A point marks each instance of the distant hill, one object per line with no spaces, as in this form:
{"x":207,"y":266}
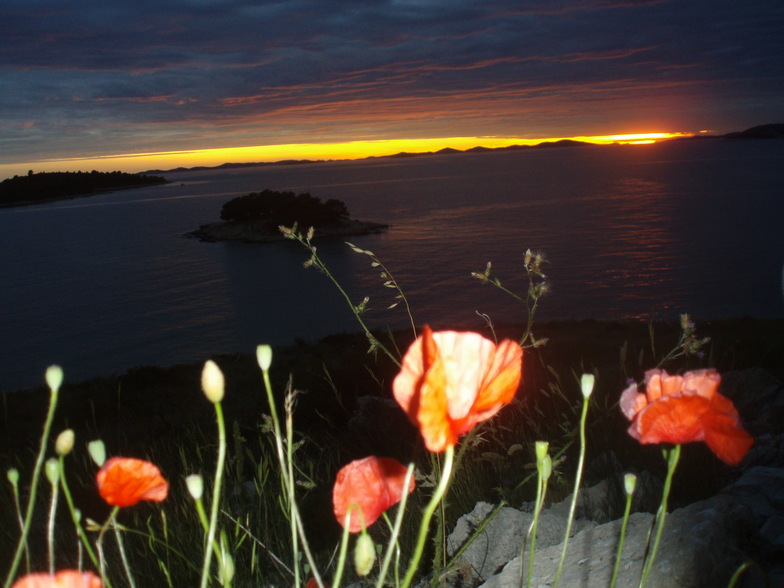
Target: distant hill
{"x":45,"y":187}
{"x":400,"y":155}
{"x":770,"y":131}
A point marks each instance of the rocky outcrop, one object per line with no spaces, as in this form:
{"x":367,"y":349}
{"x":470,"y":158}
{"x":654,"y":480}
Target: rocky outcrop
{"x":703,"y":543}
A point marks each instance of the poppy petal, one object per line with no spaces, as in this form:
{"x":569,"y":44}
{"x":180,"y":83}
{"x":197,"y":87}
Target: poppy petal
{"x":124,"y":481}
{"x":450,"y":381}
{"x":683,"y":409}
{"x":61,"y":579}
{"x":373,"y":484}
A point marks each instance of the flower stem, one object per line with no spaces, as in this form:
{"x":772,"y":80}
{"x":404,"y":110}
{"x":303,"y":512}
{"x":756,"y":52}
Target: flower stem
{"x":541,"y":489}
{"x":443,"y":483}
{"x":288,"y":483}
{"x":578,"y":478}
{"x":21,"y":546}
{"x":617,"y":565}
{"x":672,"y":455}
{"x":382,"y":574}
{"x":74,"y":515}
{"x":216,"y":494}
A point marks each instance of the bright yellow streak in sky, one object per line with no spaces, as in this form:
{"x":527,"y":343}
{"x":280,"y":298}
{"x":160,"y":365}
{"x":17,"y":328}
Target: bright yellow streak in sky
{"x":136,"y":162}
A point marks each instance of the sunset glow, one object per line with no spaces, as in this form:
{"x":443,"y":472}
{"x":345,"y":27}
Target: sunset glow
{"x":138,"y":162}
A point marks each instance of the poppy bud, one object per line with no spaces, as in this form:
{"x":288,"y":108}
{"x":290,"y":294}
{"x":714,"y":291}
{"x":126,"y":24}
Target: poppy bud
{"x":52,"y":470}
{"x":54,"y":377}
{"x":264,"y":357}
{"x":97,"y":451}
{"x":64,"y":442}
{"x":195,"y":485}
{"x":364,"y":555}
{"x":629,"y":483}
{"x":586,"y":384}
{"x":212,"y":382}
{"x":541,"y":450}
{"x":547,"y":467}
{"x":13,"y":476}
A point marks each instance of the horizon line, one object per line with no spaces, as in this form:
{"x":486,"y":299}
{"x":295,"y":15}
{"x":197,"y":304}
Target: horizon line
{"x":339,"y":151}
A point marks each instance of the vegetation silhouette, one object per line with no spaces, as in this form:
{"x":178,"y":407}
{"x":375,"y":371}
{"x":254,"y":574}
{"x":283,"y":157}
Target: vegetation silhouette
{"x":284,"y":208}
{"x":42,"y":187}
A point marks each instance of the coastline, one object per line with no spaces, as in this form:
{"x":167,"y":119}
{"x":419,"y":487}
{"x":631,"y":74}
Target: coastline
{"x":264,"y":232}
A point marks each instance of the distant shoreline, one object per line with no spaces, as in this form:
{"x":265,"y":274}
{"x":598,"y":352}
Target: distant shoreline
{"x":766,"y":132}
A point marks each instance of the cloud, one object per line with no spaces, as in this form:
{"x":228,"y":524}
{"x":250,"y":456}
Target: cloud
{"x":110,"y":75}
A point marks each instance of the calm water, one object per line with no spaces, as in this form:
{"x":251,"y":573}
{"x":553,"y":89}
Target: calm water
{"x":103,"y":284}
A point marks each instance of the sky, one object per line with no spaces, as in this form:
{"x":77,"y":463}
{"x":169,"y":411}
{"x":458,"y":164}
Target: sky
{"x":145,"y":84}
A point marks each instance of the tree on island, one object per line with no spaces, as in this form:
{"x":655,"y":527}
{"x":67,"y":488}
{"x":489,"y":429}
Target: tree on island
{"x":286,"y":208}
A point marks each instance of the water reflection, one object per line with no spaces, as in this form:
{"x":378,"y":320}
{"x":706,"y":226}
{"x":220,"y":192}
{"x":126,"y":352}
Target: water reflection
{"x":638,"y":249}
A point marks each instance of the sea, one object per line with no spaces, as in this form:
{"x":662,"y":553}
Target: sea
{"x":108,"y":283}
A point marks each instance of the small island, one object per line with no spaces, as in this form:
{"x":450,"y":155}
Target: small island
{"x":49,"y":186}
{"x":255,"y":218}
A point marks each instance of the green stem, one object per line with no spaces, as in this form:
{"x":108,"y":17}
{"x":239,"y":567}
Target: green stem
{"x":74,"y":515}
{"x":22,"y":544}
{"x":672,"y":455}
{"x":343,"y":549}
{"x":289,"y":482}
{"x":382,"y":574}
{"x":291,"y":488}
{"x":617,"y":565}
{"x":123,"y":556}
{"x":99,"y":543}
{"x":443,"y":483}
{"x":578,"y":478}
{"x":216,"y":494}
{"x":19,"y":519}
{"x":540,"y":491}
{"x":322,"y":266}
{"x":50,"y":527}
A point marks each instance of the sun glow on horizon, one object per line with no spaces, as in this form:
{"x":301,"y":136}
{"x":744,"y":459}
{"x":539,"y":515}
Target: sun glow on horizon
{"x":138,"y":162}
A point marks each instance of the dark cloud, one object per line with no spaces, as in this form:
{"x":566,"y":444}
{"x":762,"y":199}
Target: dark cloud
{"x":100,"y":76}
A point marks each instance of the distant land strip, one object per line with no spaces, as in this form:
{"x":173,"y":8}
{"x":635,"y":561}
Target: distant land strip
{"x":767,"y":131}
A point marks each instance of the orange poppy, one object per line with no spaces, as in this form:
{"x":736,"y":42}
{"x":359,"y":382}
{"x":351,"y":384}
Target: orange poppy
{"x":373,"y":484}
{"x":62,"y":579}
{"x":683,"y":409}
{"x":451,"y":381}
{"x":124,"y":481}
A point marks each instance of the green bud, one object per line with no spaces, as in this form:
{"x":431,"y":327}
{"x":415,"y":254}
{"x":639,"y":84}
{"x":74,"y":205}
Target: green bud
{"x":97,"y":451}
{"x":52,"y":470}
{"x":212,"y":382}
{"x":629,"y":483}
{"x":13,"y":476}
{"x":264,"y":357}
{"x":64,"y":442}
{"x":586,"y":384}
{"x":364,"y":555}
{"x":547,"y":467}
{"x":541,"y":450}
{"x":195,"y":484}
{"x":54,"y":378}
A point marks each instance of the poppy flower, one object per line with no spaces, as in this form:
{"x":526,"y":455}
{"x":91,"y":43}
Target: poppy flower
{"x":683,"y":409}
{"x":451,"y":381}
{"x":124,"y":481}
{"x":62,"y":579}
{"x":373,"y":484}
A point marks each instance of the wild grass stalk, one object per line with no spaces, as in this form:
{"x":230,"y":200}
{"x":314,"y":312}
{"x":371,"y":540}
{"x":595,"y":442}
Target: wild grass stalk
{"x":54,"y":379}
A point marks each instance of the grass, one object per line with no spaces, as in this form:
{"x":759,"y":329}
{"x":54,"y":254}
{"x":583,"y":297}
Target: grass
{"x":159,"y":414}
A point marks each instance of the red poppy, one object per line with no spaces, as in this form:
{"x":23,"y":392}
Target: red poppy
{"x":62,"y":579}
{"x":682,"y":409}
{"x":451,"y":381}
{"x":124,"y":481}
{"x":373,"y":484}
